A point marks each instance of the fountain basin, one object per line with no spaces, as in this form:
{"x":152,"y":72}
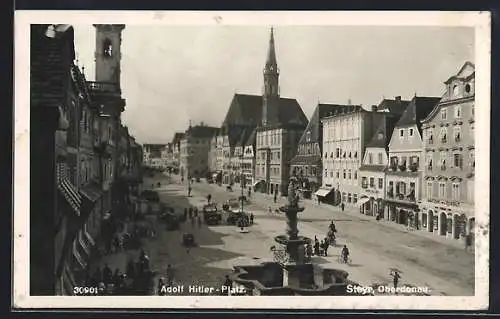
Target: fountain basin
{"x":267,"y":279}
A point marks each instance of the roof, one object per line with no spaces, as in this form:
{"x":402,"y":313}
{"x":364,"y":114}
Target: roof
{"x":271,"y":53}
{"x":50,"y":65}
{"x":245,"y":135}
{"x":80,"y":82}
{"x":177,"y":137}
{"x":315,"y":126}
{"x":251,"y":138}
{"x":202,"y":131}
{"x":396,"y":106}
{"x":383,"y":133}
{"x":246,"y":110}
{"x":417,"y":110}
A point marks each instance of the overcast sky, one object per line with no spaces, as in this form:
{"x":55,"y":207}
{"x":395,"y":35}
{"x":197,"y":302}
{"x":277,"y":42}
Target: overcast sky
{"x":171,"y":74}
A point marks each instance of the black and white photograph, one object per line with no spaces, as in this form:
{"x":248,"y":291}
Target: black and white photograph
{"x":231,"y":159}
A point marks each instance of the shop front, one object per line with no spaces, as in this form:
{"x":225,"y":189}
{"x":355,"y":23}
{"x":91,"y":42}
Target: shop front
{"x":450,"y":219}
{"x":403,"y":213}
{"x":325,"y":194}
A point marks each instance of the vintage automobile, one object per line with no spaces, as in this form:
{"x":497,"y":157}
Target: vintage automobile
{"x":237,"y":215}
{"x":211,"y":215}
{"x":170,"y":219}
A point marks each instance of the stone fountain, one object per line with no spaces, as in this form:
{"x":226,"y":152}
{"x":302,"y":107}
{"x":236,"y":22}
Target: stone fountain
{"x":291,"y":273}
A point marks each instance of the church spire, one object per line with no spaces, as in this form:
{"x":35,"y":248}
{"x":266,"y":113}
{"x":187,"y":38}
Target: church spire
{"x":271,"y":63}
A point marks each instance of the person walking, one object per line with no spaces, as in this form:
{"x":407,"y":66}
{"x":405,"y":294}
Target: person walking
{"x":228,"y":283}
{"x":251,"y":218}
{"x":189,"y":190}
{"x":209,"y":198}
{"x":275,"y":196}
{"x":170,"y":275}
{"x":395,"y":278}
{"x":342,"y":206}
{"x":468,"y":241}
{"x":249,"y":192}
{"x":326,"y":244}
{"x":316,"y":246}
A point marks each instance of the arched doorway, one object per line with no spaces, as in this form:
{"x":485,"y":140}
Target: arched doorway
{"x":375,"y":208}
{"x":403,"y":217}
{"x":459,"y":222}
{"x":443,"y":222}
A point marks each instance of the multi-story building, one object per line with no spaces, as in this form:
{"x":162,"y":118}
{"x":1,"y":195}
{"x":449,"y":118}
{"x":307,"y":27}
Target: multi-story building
{"x":345,"y":136}
{"x":237,"y":158}
{"x":153,"y":155}
{"x":376,"y":159}
{"x":248,"y":164}
{"x":166,"y":156}
{"x":448,"y":198}
{"x":283,"y":123}
{"x":307,"y":165}
{"x":176,"y":151}
{"x":55,"y":200}
{"x":195,"y":147}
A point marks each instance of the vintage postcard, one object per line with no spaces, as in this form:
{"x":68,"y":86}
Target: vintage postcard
{"x":230,"y":159}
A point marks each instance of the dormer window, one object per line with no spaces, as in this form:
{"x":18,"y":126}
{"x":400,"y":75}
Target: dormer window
{"x":467,"y":88}
{"x":455,"y":90}
{"x":443,"y":114}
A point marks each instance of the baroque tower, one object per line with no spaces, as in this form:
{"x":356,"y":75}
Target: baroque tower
{"x":108,"y":53}
{"x":271,"y":94}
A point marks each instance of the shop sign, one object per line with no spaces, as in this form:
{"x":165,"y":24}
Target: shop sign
{"x":445,"y":202}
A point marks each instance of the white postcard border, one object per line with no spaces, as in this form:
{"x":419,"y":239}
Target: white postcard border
{"x":479,"y":20}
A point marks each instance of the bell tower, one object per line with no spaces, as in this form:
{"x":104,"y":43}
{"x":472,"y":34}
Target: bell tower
{"x":108,"y":53}
{"x":270,"y":94}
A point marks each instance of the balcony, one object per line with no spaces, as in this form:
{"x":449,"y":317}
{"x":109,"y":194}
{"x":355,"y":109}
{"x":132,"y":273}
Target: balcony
{"x":444,"y":140}
{"x":413,"y":167}
{"x":390,"y":194}
{"x":394,"y":167}
{"x":402,"y":167}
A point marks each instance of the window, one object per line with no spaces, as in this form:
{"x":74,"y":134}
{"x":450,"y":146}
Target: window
{"x":380,"y":183}
{"x":331,"y":173}
{"x":429,"y":189}
{"x":337,"y":152}
{"x":380,"y":158}
{"x":471,"y":130}
{"x":458,"y":111}
{"x":456,"y":133}
{"x":344,"y":174}
{"x":401,"y":133}
{"x":455,"y":191}
{"x":326,"y":172}
{"x":443,"y":113}
{"x":430,"y":137}
{"x":349,"y":175}
{"x":354,"y":198}
{"x":107,"y":48}
{"x":442,"y":135}
{"x":349,"y":198}
{"x":457,"y":160}
{"x":442,"y":190}
{"x":372,"y":182}
{"x":429,"y":161}
{"x":355,"y":175}
{"x":278,"y":155}
{"x":356,"y":154}
{"x":411,"y":132}
{"x":338,"y":174}
{"x":370,"y":158}
{"x":344,"y":197}
{"x":326,"y":154}
{"x":472,"y":161}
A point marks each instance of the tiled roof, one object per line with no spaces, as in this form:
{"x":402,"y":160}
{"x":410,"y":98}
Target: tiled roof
{"x":177,"y":137}
{"x":315,"y":126}
{"x":396,"y":106}
{"x":247,"y":132}
{"x":50,"y":66}
{"x":383,"y":133}
{"x":373,"y":168}
{"x":246,"y":110}
{"x":417,"y":110}
{"x":306,"y":160}
{"x":251,"y":139}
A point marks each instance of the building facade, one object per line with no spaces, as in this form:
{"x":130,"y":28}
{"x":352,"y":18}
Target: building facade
{"x":176,"y":152}
{"x":345,"y":136}
{"x":449,"y":151}
{"x":307,"y":166}
{"x":194,"y":149}
{"x":404,"y":175}
{"x":248,"y":163}
{"x":277,"y":136}
{"x":155,"y":155}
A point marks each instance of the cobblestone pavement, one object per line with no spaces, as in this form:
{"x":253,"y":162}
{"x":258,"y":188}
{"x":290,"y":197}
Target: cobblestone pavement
{"x":375,"y":248}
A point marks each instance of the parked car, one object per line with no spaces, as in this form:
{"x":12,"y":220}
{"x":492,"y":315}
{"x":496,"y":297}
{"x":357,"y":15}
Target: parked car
{"x":237,"y":215}
{"x":211,"y":214}
{"x":188,"y":240}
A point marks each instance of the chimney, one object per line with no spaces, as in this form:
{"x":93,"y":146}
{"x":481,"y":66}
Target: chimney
{"x":398,"y":98}
{"x":374,"y":108}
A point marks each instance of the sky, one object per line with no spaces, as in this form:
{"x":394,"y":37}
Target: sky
{"x":173,"y":74}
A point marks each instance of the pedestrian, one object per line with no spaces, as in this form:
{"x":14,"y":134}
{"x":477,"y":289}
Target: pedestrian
{"x":161,"y":290}
{"x":170,"y":275}
{"x":116,"y":277}
{"x":468,"y":241}
{"x":342,"y":206}
{"x":190,"y":212}
{"x":195,"y":212}
{"x":326,"y":245}
{"x":251,"y":218}
{"x":316,"y":246}
{"x":199,"y":221}
{"x":130,"y":271}
{"x":275,"y":196}
{"x":309,"y":251}
{"x":395,"y":278}
{"x":209,"y":198}
{"x":106,"y":274}
{"x":249,"y":192}
{"x":189,"y":191}
{"x":228,"y":283}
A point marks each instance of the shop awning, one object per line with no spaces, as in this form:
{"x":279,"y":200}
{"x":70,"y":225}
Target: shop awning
{"x":322,"y":192}
{"x":362,"y":201}
{"x":256,"y":183}
{"x":67,"y":189}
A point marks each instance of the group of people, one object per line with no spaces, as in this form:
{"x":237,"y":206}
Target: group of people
{"x":194,"y":216}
